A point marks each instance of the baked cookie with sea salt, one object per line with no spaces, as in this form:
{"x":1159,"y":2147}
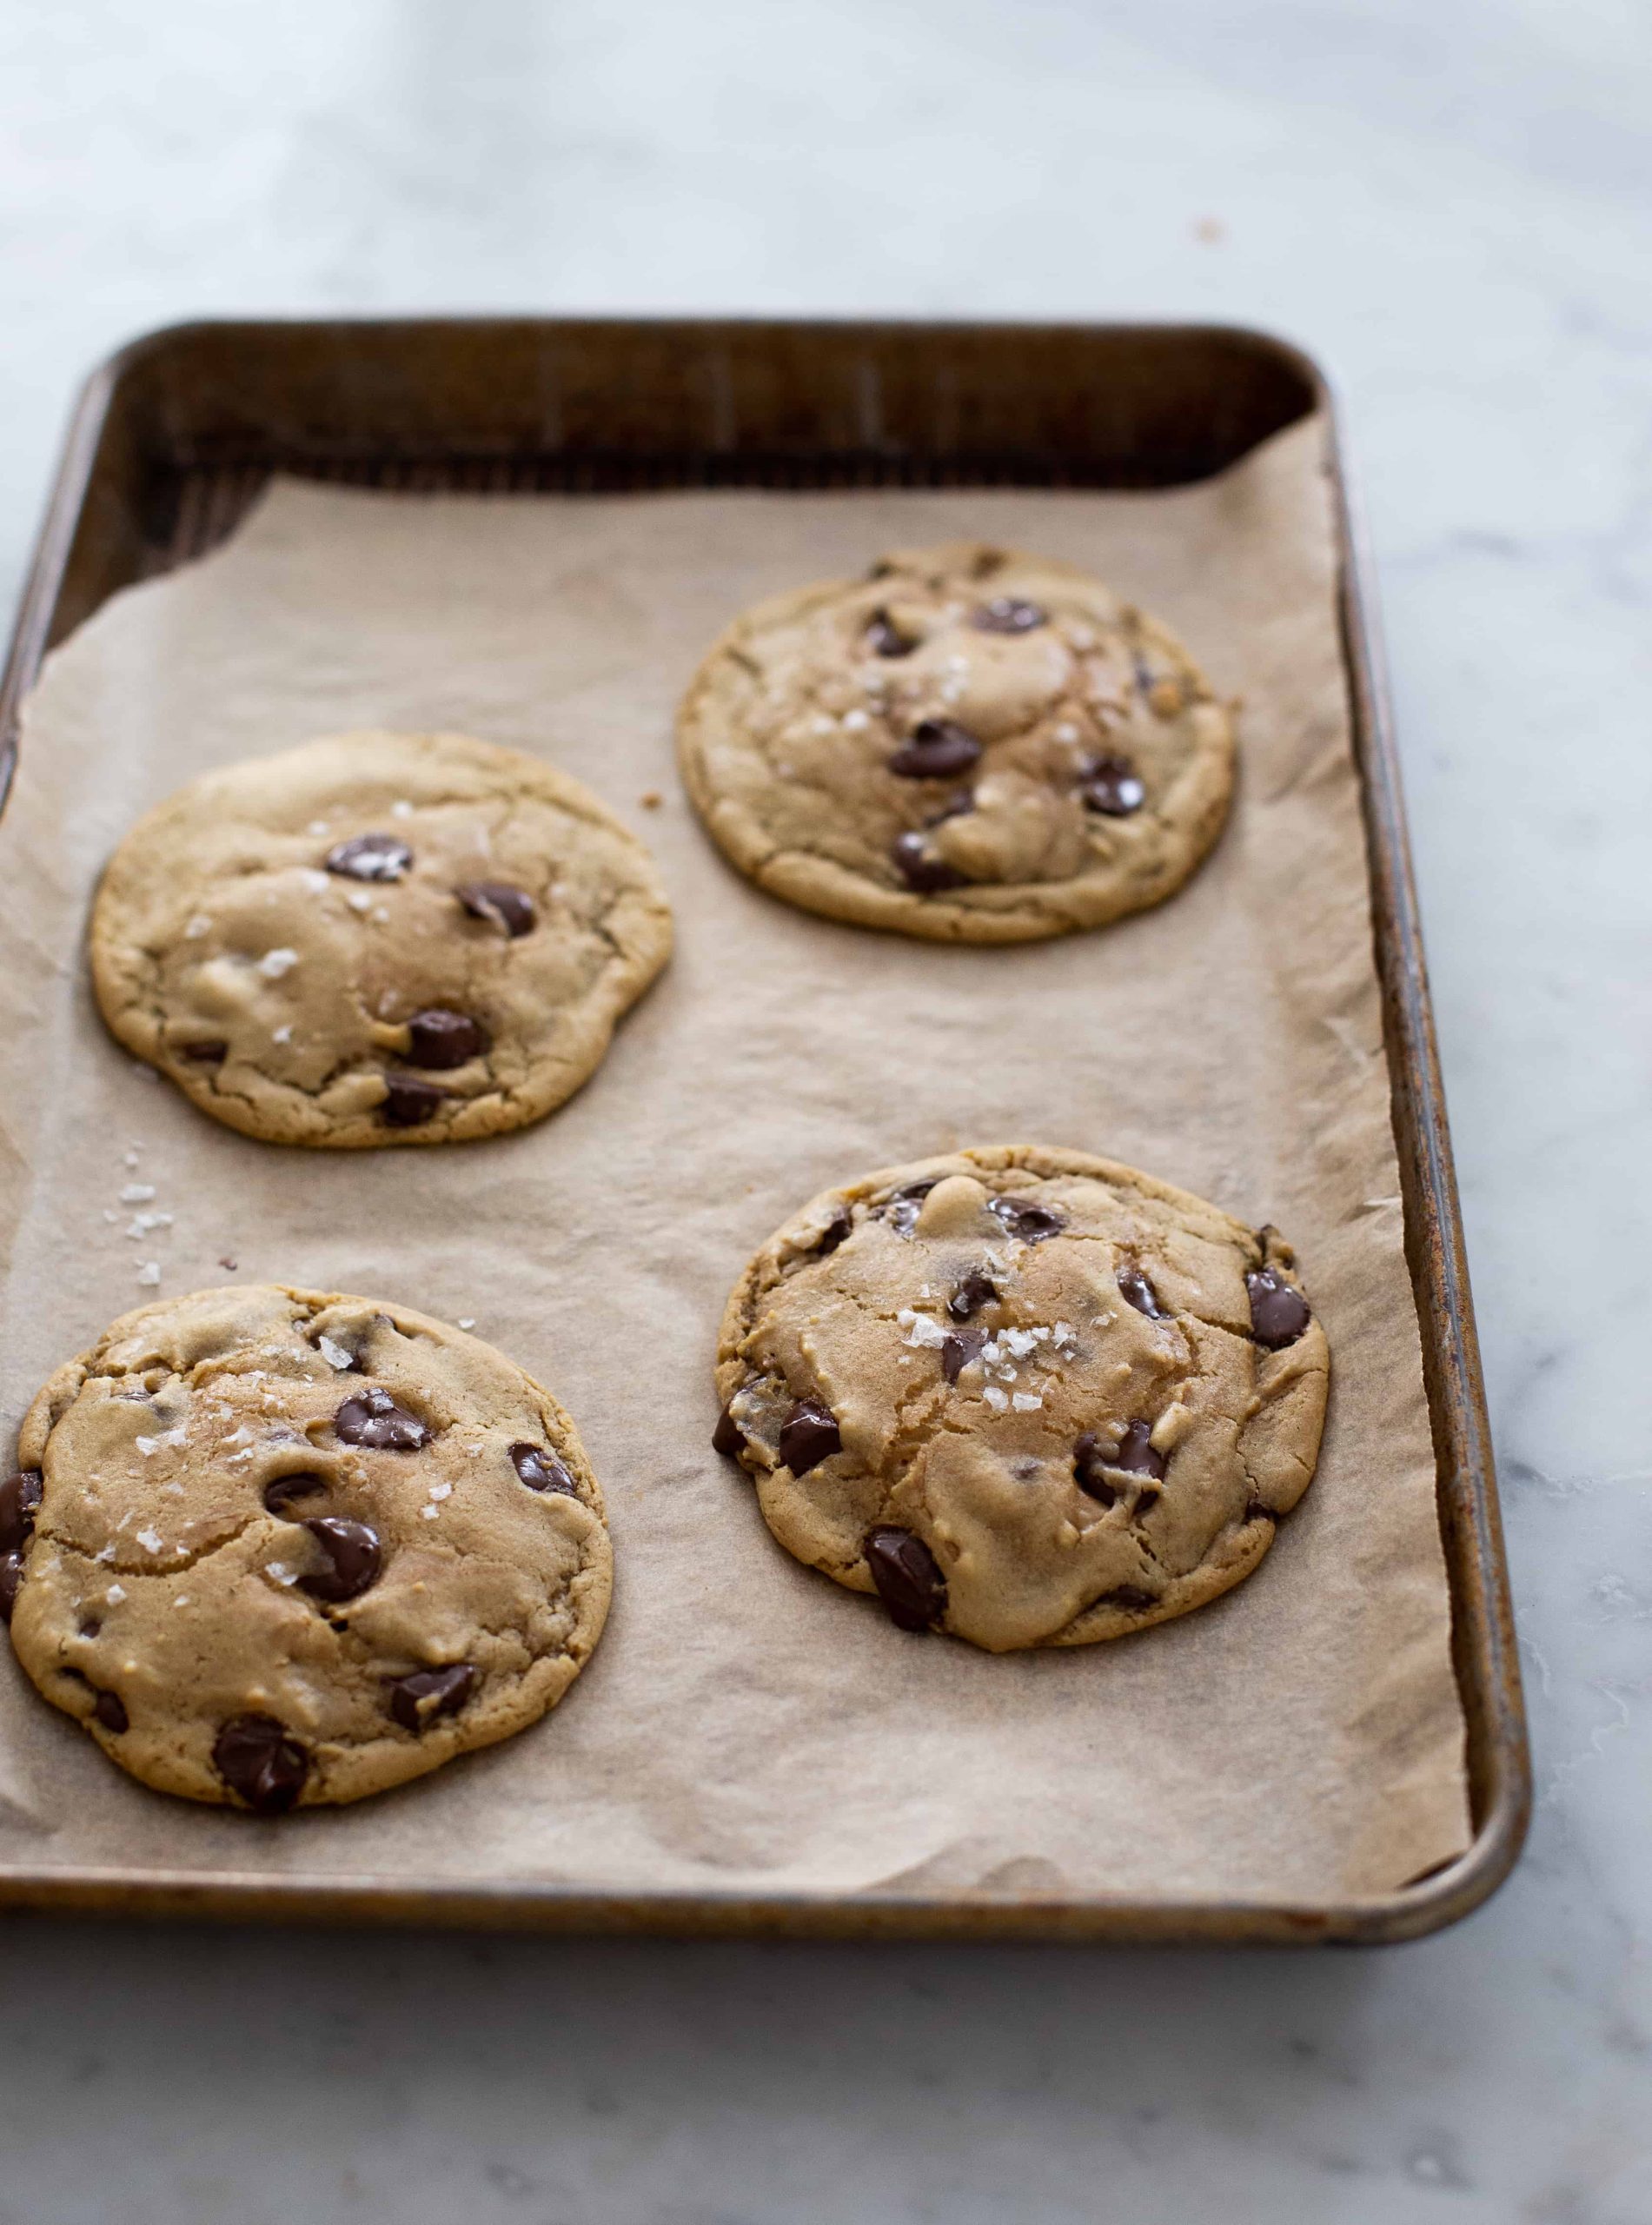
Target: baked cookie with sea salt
{"x":969,"y":744}
{"x":377,"y":939}
{"x":1023,"y":1395}
{"x":278,"y":1548}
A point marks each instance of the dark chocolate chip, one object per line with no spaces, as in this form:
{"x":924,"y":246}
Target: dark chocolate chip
{"x":1025,"y":1217}
{"x":281,"y":1493}
{"x":441,"y":1038}
{"x":936,"y":749}
{"x":1088,"y":1461}
{"x":1279,"y":1311}
{"x":10,"y":1578}
{"x":408,"y":1103}
{"x":1148,"y":1496}
{"x":369,"y":857}
{"x":1139,"y":1292}
{"x":372,"y":1417}
{"x":1254,"y":1511}
{"x":975,"y":1290}
{"x":111,"y":1710}
{"x":416,"y":1701}
{"x":959,"y":1350}
{"x":258,"y":1759}
{"x":1009,"y":614}
{"x":728,"y":1438}
{"x":19,"y":1497}
{"x":885,"y":638}
{"x":840,"y":1226}
{"x":919,"y":866}
{"x":907,"y":1576}
{"x":1130,"y":1597}
{"x":511,"y":910}
{"x":204,"y":1054}
{"x":88,"y":1625}
{"x":902,"y":1207}
{"x":1113,"y":785}
{"x":1137,"y":1455}
{"x":541,"y":1469}
{"x":808,"y":1435}
{"x":351,"y":1559}
{"x":959,"y":805}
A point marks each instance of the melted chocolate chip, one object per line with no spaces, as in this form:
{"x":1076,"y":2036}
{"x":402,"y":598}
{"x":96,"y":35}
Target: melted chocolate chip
{"x":936,"y":749}
{"x":1130,"y":1597}
{"x":1279,"y":1311}
{"x":282,"y":1492}
{"x":1113,"y":785}
{"x":1025,"y":1217}
{"x":959,"y":1350}
{"x":1139,"y":1292}
{"x":975,"y":1290}
{"x":1137,"y":1455}
{"x":1009,"y":614}
{"x":369,"y":857}
{"x":885,"y":638}
{"x":439,"y":1038}
{"x":351,"y":1559}
{"x":541,"y":1469}
{"x":903,"y":1207}
{"x":907,"y":1576}
{"x":372,"y":1417}
{"x":959,"y":805}
{"x":919,"y":866}
{"x":204,"y":1054}
{"x":808,"y":1435}
{"x":408,"y":1103}
{"x":19,"y":1496}
{"x":416,"y":1701}
{"x":511,"y":910}
{"x":258,"y":1760}
{"x":1088,"y":1461}
{"x":111,"y":1710}
{"x":728,"y":1438}
{"x":1148,"y":1496}
{"x":10,"y":1578}
{"x":840,"y":1226}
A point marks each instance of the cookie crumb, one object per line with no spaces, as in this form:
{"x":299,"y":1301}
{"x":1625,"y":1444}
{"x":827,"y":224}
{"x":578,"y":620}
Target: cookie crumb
{"x":651,"y":799}
{"x":224,"y":1260}
{"x":1210,"y":231}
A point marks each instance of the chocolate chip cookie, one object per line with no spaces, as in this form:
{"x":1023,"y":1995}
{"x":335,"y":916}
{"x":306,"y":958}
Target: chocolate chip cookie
{"x":1023,"y":1395}
{"x":969,"y":744}
{"x":277,"y":1549}
{"x":377,"y":939}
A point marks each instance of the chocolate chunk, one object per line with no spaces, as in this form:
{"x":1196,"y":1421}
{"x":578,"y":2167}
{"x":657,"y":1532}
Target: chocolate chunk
{"x":808,"y":1435}
{"x":936,"y":749}
{"x":907,"y":1576}
{"x":281,"y":1493}
{"x":919,"y":866}
{"x":257,"y":1759}
{"x":1088,"y":1461}
{"x":511,"y":910}
{"x":1139,"y":1292}
{"x":840,"y":1226}
{"x":203,"y":1054}
{"x":1130,"y":1597}
{"x":350,"y":1559}
{"x":902,"y":1207}
{"x":885,"y":638}
{"x":975,"y":1290}
{"x":372,"y":1417}
{"x":1137,"y":1455}
{"x":541,"y":1469}
{"x":10,"y":1578}
{"x":1008,"y":613}
{"x":416,"y":1701}
{"x":369,"y":857}
{"x":728,"y":1438}
{"x":1279,"y":1311}
{"x":408,"y":1103}
{"x":1112,"y":785}
{"x":959,"y":1350}
{"x":438,"y":1038}
{"x":111,"y":1710}
{"x":1025,"y":1217}
{"x":19,"y":1497}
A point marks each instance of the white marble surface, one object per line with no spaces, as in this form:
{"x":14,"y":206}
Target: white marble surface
{"x":1447,"y":199}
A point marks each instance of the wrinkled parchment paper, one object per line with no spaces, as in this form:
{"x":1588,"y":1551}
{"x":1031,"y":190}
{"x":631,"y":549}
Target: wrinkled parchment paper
{"x":746,"y":1724}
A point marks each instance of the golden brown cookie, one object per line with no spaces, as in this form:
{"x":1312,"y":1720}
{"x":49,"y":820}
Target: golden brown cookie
{"x":276,"y":1548}
{"x":968,"y":744}
{"x":1025,"y":1394}
{"x":377,"y":939}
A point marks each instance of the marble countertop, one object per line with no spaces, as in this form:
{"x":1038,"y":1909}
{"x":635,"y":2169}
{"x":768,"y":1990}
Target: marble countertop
{"x":1444,"y":199}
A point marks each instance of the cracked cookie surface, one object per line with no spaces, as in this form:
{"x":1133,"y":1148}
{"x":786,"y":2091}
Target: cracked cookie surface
{"x":377,"y":939}
{"x":275,"y":1547}
{"x":1025,"y":1394}
{"x":969,"y":744}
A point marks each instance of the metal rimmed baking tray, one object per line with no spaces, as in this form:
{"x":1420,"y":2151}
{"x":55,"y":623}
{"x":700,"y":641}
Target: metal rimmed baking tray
{"x":176,"y":436}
